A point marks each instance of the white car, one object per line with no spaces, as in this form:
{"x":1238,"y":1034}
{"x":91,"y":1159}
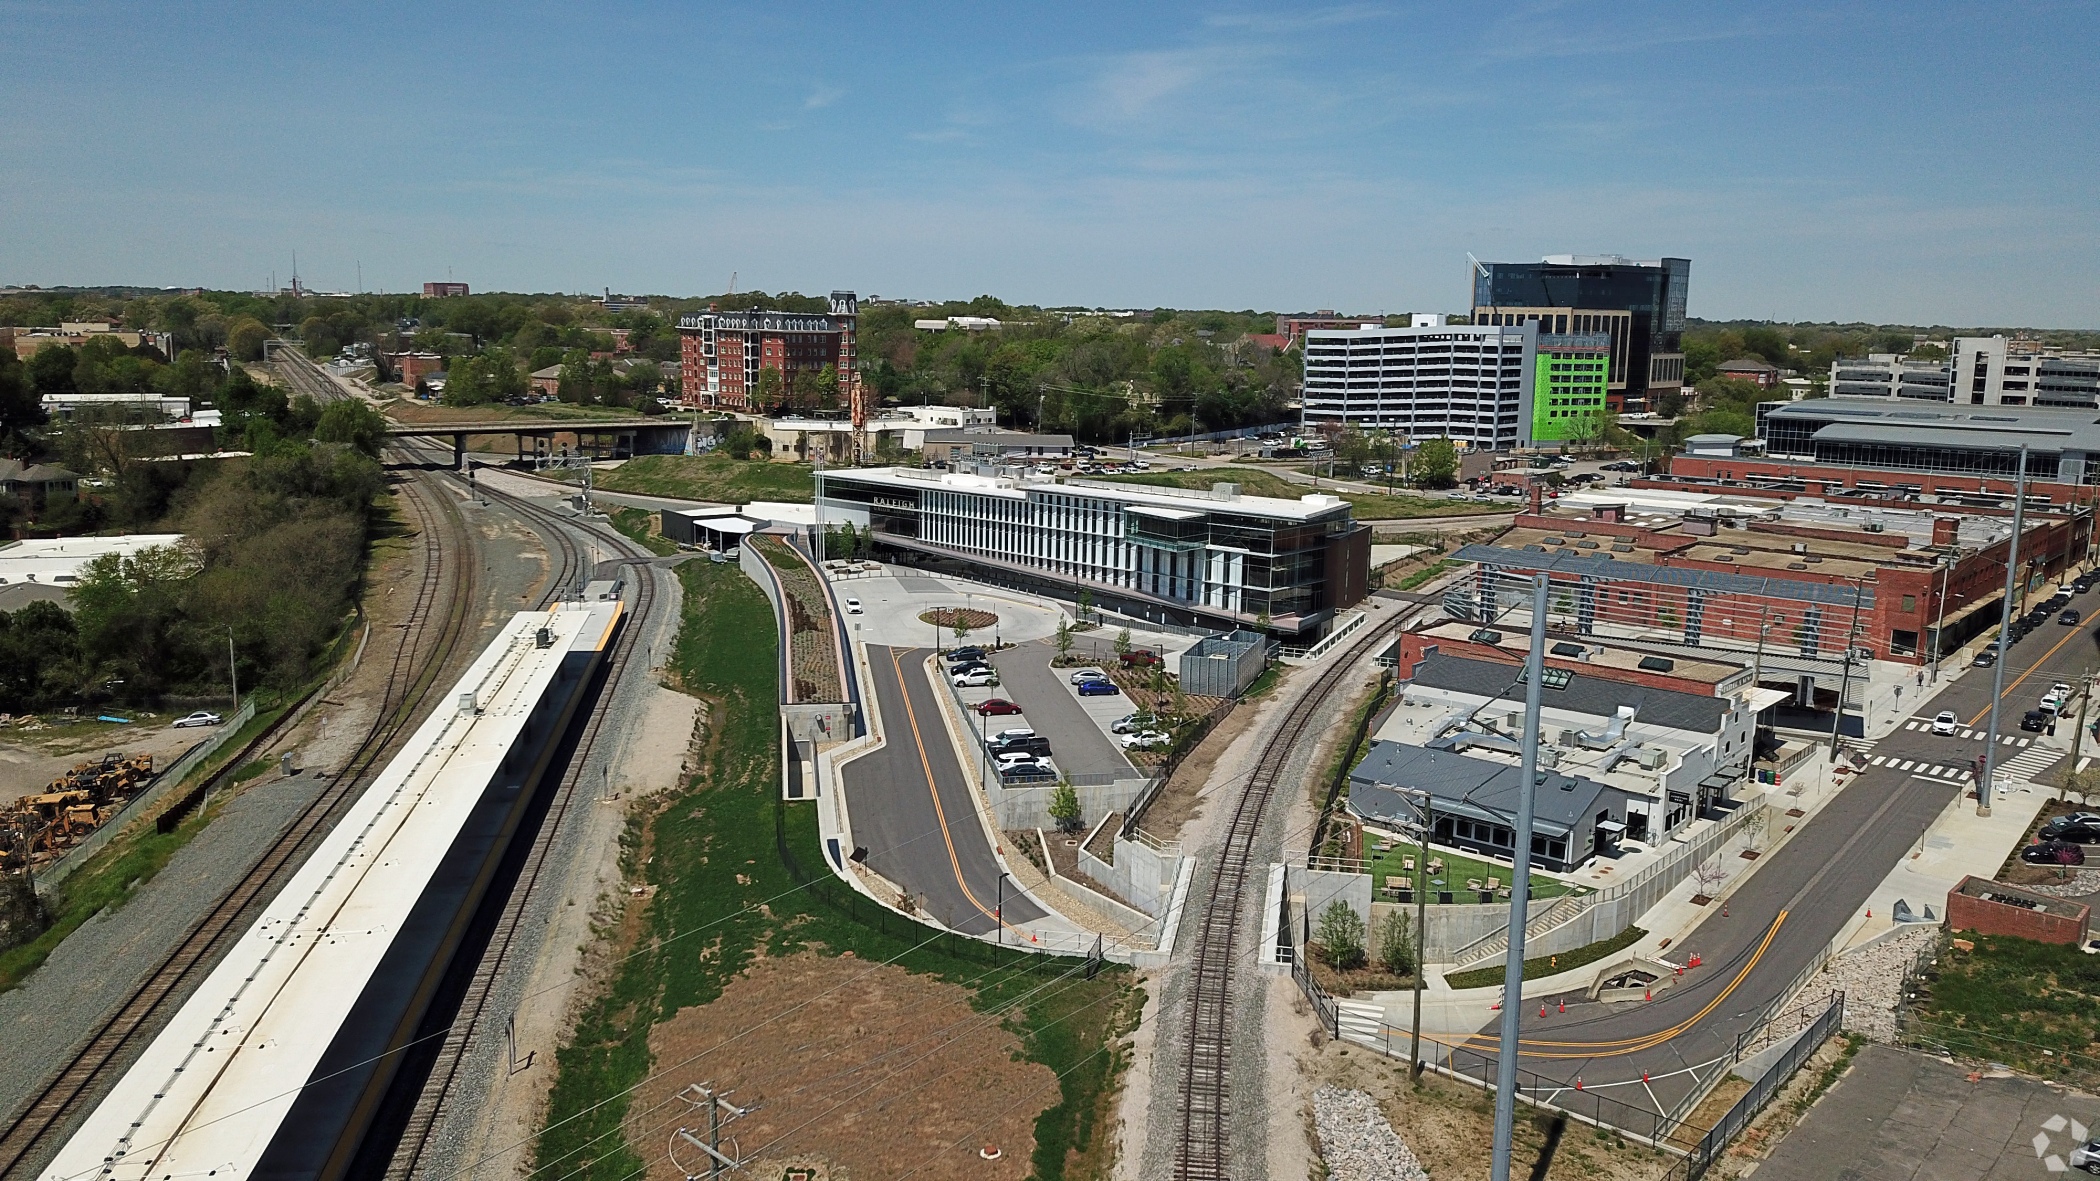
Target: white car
{"x":852,"y":606}
{"x":200,"y":718}
{"x":1143,"y":738}
{"x":1088,"y":674}
{"x":1027,"y":763}
{"x":1016,"y":758}
{"x":1945,"y":723}
{"x":977,"y":678}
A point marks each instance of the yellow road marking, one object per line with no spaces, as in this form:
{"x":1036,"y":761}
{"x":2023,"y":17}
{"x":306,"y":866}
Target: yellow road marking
{"x":2031,"y":669}
{"x":911,"y":716}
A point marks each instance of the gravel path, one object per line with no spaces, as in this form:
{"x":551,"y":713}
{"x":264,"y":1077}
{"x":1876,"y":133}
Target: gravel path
{"x":2078,"y":884}
{"x":96,"y":967}
{"x":1356,"y":1141}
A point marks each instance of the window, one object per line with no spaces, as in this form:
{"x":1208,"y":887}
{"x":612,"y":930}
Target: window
{"x":1910,"y":603}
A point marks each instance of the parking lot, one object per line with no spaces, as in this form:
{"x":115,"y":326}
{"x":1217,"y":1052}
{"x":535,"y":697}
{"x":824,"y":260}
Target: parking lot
{"x":1033,"y":696}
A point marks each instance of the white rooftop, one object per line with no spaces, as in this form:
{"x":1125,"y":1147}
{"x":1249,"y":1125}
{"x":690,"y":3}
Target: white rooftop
{"x":1191,"y":500}
{"x":59,"y":559}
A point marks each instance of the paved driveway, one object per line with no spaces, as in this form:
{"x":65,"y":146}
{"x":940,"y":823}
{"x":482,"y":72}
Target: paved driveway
{"x":1902,"y":1115}
{"x":914,"y":811}
{"x":1053,"y":711}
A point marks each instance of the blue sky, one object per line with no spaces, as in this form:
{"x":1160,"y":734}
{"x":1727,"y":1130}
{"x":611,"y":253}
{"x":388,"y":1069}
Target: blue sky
{"x":1918,"y":162}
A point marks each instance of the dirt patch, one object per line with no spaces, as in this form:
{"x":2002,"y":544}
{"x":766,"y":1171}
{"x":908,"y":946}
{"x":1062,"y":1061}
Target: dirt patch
{"x":970,"y":617}
{"x":1180,"y":800}
{"x":859,"y":1070}
{"x":1449,"y":1125}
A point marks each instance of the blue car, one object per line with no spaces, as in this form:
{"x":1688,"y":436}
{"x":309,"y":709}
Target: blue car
{"x":1098,"y":689}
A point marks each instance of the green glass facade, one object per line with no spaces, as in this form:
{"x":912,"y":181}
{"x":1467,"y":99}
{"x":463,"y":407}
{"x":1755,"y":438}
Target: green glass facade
{"x":1568,"y":384}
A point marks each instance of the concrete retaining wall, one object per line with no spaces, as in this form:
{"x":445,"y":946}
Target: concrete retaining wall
{"x":1028,"y":806}
{"x":1141,"y":873}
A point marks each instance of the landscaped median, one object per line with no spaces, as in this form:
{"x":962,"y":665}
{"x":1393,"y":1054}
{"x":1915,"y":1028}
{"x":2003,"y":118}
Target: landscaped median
{"x":736,"y":957}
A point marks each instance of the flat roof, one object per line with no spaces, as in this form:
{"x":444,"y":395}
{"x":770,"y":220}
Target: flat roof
{"x":1312,"y":506}
{"x":1598,"y":651}
{"x":1596,"y":696}
{"x":52,"y":558}
{"x":1715,"y":581}
{"x":1469,"y":786}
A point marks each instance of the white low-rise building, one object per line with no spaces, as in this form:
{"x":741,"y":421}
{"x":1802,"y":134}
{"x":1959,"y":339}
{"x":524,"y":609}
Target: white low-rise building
{"x":58,"y":560}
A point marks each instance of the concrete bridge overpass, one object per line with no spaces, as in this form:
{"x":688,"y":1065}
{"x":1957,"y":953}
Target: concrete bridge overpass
{"x":613,"y":438}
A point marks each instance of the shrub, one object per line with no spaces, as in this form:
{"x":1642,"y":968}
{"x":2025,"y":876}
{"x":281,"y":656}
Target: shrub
{"x":1341,"y":934}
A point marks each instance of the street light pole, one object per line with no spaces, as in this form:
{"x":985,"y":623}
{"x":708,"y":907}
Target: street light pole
{"x":1940,"y":622}
{"x":2005,"y":613}
{"x":1414,"y":1064}
{"x":1520,"y":892}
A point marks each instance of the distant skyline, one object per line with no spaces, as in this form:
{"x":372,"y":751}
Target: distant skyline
{"x":1925,"y":163}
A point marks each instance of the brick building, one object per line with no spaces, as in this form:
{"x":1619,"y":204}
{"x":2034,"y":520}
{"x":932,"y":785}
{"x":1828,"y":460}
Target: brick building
{"x":722,"y":353}
{"x":442,"y":290}
{"x":1994,"y":908}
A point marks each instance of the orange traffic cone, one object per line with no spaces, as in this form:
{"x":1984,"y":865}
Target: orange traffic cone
{"x":1578,"y":1082}
{"x":1542,"y":1008}
{"x":1563,"y":1005}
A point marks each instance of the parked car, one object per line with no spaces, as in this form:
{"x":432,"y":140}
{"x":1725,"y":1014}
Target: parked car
{"x":2034,"y":720}
{"x":1984,"y":659}
{"x":2084,"y":584}
{"x":1945,"y":722}
{"x":971,"y":666}
{"x":200,"y":718}
{"x":1139,"y":658}
{"x":852,"y":606}
{"x":971,"y":653}
{"x":1025,"y":746}
{"x":2068,"y":619}
{"x":1131,"y":723}
{"x":2057,"y":824}
{"x":1016,"y":758}
{"x":1027,"y":767}
{"x":1101,"y":688}
{"x":1143,"y":739}
{"x":2078,"y":834}
{"x":2053,"y":853}
{"x":996,"y":707}
{"x":1011,"y":733}
{"x":2087,"y":1156}
{"x":1088,"y":674}
{"x":976,"y":678}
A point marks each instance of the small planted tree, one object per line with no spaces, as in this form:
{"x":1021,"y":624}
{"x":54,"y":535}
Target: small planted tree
{"x":1341,"y":934}
{"x":1123,"y":642}
{"x":1086,"y":606}
{"x":1064,"y":641}
{"x":1396,"y":945}
{"x":1064,"y":807}
{"x":961,"y":628}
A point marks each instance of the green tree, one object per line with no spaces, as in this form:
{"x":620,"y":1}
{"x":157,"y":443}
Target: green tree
{"x":245,"y":337}
{"x":960,"y":626}
{"x":1064,"y":807}
{"x":319,"y":338}
{"x":1341,"y":936}
{"x":1123,"y":643}
{"x":1396,"y":944}
{"x":769,"y":383}
{"x":1086,"y":605}
{"x":51,"y":369}
{"x":1064,"y":639}
{"x":352,"y":422}
{"x":21,"y":407}
{"x":828,"y":387}
{"x":1435,"y":464}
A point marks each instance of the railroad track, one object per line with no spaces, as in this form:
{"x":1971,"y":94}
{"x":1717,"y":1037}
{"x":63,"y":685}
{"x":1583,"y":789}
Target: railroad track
{"x":1204,"y":1152}
{"x":37,"y":1132}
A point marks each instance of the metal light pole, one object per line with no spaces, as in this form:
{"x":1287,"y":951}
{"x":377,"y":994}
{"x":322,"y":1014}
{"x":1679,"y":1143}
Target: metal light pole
{"x":1520,"y":891}
{"x":1414,"y":1064}
{"x":2085,"y":696}
{"x":1939,"y":623}
{"x":2005,"y":612}
{"x":233,"y":671}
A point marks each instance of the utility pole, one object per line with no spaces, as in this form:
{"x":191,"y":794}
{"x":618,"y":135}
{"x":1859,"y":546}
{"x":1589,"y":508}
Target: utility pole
{"x":717,"y":1104}
{"x":2085,"y":695}
{"x":1837,"y":717}
{"x":2005,"y":617}
{"x":233,"y":671}
{"x":1414,"y":1057}
{"x":1520,"y":890}
{"x":1940,"y":622}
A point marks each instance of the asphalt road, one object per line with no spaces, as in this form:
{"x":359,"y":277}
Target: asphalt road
{"x":1897,"y":1114}
{"x":913,"y":810}
{"x":1799,"y":898}
{"x":1077,"y":744}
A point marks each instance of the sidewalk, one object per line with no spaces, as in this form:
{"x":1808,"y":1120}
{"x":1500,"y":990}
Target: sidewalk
{"x":1958,"y":844}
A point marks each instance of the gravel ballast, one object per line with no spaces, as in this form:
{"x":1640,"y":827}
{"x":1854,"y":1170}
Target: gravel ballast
{"x":1872,"y":977}
{"x":1356,"y":1141}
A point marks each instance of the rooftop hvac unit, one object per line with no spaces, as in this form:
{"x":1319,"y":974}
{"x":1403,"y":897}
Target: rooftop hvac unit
{"x":1650,"y":758}
{"x":1800,"y":547}
{"x":1873,"y":526}
{"x":1549,"y":758}
{"x":1567,"y":738}
{"x":467,"y":704}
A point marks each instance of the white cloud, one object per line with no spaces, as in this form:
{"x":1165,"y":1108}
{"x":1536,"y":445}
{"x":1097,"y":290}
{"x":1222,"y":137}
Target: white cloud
{"x":822,"y":96}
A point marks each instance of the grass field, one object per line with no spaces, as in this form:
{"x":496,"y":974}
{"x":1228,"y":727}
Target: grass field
{"x":711,"y":477}
{"x":1368,"y":506}
{"x":1458,"y":868}
{"x":1539,"y":967}
{"x":2034,"y":1006}
{"x":640,"y":524}
{"x":738,"y":876}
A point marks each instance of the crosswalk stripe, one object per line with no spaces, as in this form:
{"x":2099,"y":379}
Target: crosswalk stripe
{"x":1878,"y":760}
{"x":1912,"y":725}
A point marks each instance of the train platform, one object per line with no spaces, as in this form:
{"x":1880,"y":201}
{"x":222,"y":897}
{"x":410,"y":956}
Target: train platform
{"x":279,"y":1062}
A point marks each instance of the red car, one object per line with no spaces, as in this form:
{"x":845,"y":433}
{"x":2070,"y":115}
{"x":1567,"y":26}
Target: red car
{"x":997,"y":707}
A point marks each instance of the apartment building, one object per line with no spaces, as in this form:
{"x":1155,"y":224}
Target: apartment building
{"x":722,"y":353}
{"x":1979,"y":371}
{"x":1473,"y":384}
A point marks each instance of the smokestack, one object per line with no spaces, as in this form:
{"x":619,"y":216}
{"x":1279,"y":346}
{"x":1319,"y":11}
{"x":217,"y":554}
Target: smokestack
{"x":1944,"y":530}
{"x":1538,"y":498}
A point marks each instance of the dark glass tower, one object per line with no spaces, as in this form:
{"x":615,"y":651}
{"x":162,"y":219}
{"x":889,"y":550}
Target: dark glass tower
{"x":1639,"y":304}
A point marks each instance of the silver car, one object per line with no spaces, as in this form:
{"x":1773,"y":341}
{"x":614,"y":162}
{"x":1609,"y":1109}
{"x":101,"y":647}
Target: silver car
{"x":2087,"y":1156}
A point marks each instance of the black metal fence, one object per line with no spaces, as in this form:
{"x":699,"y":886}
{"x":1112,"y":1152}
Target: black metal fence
{"x":1702,"y":1155}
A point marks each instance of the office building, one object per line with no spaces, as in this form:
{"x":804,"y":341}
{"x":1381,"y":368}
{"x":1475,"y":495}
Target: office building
{"x":1570,"y":388}
{"x":1471,"y":384}
{"x":722,"y":353}
{"x":1979,"y":371}
{"x":443,"y":290}
{"x":1639,"y":305}
{"x":1214,"y":559}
